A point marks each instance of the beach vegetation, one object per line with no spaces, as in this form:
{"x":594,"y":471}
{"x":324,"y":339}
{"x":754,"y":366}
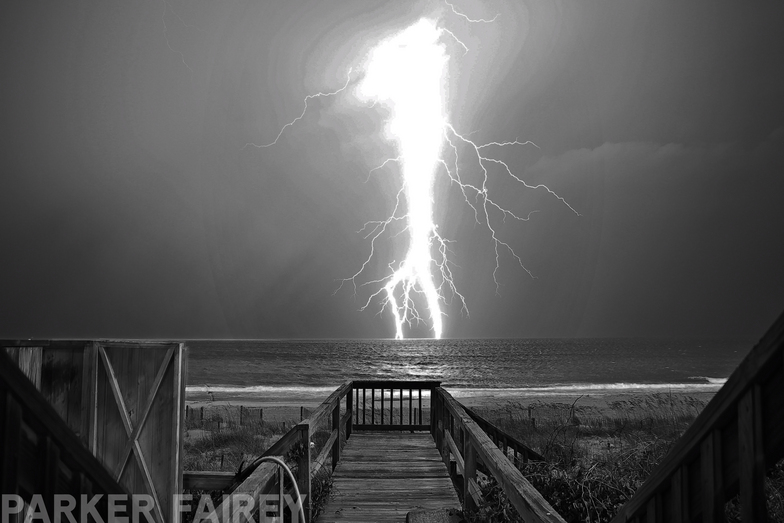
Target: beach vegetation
{"x":596,"y":458}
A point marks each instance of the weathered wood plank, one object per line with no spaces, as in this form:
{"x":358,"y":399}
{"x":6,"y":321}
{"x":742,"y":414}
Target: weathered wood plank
{"x":23,"y":404}
{"x":713,"y":483}
{"x":321,"y":459}
{"x":383,"y":476}
{"x":254,"y":485}
{"x":207,"y":480}
{"x":752,"y":457}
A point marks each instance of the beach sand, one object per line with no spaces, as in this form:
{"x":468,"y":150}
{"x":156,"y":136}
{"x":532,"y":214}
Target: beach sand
{"x":289,"y":413}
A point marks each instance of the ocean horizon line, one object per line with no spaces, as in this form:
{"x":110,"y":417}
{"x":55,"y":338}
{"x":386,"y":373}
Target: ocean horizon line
{"x":706,"y":384}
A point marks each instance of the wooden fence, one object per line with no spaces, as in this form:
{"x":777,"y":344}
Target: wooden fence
{"x":125,"y":402}
{"x":727,"y":449}
{"x":40,"y":453}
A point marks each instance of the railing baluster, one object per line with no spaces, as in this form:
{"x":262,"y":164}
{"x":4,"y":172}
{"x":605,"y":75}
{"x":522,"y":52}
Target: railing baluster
{"x":364,"y":405}
{"x":401,"y":406}
{"x":420,"y":406}
{"x":712,"y":478}
{"x":410,"y":406}
{"x":373,"y":406}
{"x":653,"y":510}
{"x":382,"y":406}
{"x":751,"y":456}
{"x":678,"y":490}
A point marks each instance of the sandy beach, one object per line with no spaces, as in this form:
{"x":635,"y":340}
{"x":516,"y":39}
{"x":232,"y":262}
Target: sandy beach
{"x":277,"y":411}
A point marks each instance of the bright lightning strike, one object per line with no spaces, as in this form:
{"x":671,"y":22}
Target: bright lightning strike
{"x":407,"y":73}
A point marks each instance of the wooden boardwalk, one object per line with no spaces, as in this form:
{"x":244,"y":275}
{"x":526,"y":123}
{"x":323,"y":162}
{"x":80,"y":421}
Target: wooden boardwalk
{"x":382,"y":476}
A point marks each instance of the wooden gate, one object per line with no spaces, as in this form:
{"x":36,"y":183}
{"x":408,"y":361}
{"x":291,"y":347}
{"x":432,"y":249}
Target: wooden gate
{"x":125,"y":401}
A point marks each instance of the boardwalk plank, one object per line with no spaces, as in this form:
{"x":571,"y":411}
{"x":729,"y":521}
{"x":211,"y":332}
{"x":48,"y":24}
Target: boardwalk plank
{"x":383,"y":476}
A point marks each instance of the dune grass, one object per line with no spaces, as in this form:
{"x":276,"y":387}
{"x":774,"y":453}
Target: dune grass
{"x":597,"y":458}
{"x":220,"y":443}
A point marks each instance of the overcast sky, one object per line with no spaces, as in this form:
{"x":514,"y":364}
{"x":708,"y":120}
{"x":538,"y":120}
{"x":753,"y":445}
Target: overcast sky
{"x":131,"y":209}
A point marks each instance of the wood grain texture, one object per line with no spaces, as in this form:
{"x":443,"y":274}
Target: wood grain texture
{"x":383,"y":476}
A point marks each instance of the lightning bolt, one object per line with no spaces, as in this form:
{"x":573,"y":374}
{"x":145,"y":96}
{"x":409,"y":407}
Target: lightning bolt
{"x":308,"y":98}
{"x":406,"y":73}
{"x":168,"y":8}
{"x":472,"y":20}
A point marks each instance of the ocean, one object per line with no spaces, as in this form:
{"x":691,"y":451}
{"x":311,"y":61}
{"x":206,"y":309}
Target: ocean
{"x":308,"y":370}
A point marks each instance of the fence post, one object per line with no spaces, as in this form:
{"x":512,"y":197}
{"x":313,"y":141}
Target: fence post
{"x":303,"y":468}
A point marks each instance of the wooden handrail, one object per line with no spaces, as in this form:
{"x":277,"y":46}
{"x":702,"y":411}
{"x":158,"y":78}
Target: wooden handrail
{"x":506,"y":440}
{"x":458,"y":435}
{"x":258,"y":478}
{"x":726,"y":450}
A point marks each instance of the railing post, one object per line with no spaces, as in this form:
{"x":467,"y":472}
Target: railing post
{"x":751,"y":456}
{"x":350,"y":410}
{"x":303,"y":468}
{"x":336,"y":427}
{"x":433,"y":411}
{"x":469,"y":473}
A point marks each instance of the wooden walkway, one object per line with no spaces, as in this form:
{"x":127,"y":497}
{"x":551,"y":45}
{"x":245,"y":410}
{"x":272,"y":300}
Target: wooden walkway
{"x":383,"y":476}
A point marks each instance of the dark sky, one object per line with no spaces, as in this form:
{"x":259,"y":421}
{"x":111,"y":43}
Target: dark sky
{"x":130,"y":208}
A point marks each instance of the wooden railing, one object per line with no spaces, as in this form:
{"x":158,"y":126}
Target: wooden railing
{"x":521,"y":453}
{"x":296,"y":443}
{"x":392,"y":405}
{"x":463,"y":445}
{"x":41,"y":455}
{"x":727,"y":449}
